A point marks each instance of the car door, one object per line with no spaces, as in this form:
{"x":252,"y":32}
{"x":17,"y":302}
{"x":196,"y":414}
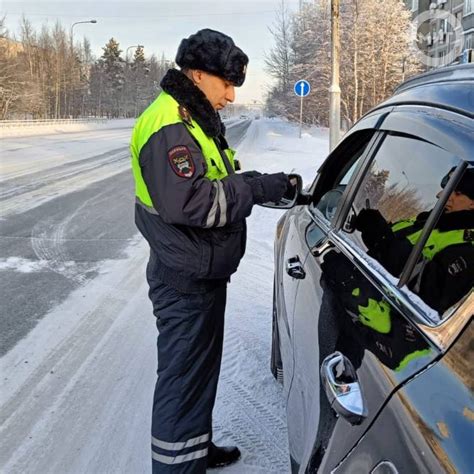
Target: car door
{"x":354,"y":343}
{"x":302,"y":234}
{"x":291,"y":250}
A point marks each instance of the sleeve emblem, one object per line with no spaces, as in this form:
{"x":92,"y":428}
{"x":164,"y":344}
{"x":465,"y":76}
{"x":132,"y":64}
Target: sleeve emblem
{"x":181,"y":161}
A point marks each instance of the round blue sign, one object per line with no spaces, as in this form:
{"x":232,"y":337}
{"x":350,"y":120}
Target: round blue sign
{"x":302,"y":88}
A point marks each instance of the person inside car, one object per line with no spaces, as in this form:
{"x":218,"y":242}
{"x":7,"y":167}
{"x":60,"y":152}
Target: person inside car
{"x":446,"y":271}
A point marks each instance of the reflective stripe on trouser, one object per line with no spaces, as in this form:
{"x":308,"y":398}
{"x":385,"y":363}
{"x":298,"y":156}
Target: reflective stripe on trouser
{"x":191,"y":329}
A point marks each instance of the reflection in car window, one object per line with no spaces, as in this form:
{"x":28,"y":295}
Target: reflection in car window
{"x":391,"y":208}
{"x":444,"y":273}
{"x":329,"y":202}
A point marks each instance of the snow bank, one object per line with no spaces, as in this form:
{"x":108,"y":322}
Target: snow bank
{"x":60,"y":128}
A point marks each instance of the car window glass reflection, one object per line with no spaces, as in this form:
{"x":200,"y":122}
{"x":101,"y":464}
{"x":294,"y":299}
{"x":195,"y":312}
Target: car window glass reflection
{"x":391,"y":209}
{"x":329,"y":202}
{"x":444,"y":273}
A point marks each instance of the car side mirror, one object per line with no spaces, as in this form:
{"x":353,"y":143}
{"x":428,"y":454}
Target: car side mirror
{"x":291,"y":196}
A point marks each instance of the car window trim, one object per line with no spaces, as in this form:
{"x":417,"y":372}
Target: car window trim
{"x":371,"y":147}
{"x":357,"y":178}
{"x":372,"y":121}
{"x":429,"y":124}
{"x":319,"y":219}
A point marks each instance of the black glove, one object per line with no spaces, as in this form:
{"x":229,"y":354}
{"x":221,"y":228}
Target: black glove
{"x":250,"y":174}
{"x":268,"y":187}
{"x":370,"y":220}
{"x":373,"y":227}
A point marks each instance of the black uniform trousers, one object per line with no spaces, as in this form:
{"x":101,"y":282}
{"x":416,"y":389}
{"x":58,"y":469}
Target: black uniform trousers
{"x":191,"y":331}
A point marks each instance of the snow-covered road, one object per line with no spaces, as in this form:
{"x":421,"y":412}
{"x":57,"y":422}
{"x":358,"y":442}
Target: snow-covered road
{"x":77,"y":390}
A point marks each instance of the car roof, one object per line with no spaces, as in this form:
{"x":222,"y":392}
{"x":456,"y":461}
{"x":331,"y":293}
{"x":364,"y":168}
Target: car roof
{"x":448,"y":87}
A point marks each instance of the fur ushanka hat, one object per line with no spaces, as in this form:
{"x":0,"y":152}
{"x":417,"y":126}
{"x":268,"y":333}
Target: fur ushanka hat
{"x":215,"y":53}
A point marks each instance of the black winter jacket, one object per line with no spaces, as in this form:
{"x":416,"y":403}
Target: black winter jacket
{"x":187,"y":252}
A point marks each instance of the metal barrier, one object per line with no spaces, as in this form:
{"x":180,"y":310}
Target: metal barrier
{"x":30,"y":123}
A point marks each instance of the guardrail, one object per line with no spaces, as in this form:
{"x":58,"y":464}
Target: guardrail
{"x":30,"y":123}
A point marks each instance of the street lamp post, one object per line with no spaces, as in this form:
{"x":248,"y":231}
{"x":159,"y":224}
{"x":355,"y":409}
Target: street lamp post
{"x":72,"y":49}
{"x":130,"y":47}
{"x":72,"y":29}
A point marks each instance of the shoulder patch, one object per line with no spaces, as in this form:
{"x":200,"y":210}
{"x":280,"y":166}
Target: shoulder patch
{"x":181,"y":161}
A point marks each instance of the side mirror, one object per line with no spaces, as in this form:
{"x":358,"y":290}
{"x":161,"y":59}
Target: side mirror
{"x":291,"y":196}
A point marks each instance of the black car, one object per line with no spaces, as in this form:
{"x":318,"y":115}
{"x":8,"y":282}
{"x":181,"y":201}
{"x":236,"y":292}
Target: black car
{"x":373,"y":297}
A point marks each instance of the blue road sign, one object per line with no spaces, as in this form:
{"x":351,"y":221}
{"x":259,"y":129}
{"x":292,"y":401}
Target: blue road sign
{"x":302,"y":88}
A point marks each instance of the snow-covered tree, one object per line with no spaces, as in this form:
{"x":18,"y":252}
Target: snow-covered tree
{"x":44,"y":75}
{"x":112,"y":66}
{"x":375,"y":53}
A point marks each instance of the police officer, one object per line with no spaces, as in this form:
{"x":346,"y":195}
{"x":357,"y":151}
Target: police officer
{"x":446,"y":272}
{"x":191,"y":207}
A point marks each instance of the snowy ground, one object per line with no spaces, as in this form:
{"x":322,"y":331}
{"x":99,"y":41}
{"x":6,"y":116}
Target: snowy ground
{"x":77,"y":390}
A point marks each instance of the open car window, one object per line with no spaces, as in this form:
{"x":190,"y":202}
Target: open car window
{"x":391,"y":208}
{"x":328,"y":196}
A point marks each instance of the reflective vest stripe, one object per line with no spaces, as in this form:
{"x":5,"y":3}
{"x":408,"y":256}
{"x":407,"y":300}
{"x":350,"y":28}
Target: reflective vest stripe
{"x":211,"y":217}
{"x":222,"y":205}
{"x":218,"y":211}
{"x":149,"y":209}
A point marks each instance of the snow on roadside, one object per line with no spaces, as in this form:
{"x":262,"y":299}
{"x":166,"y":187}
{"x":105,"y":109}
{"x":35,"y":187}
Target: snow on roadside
{"x":78,"y":389}
{"x":250,"y":409}
{"x":62,"y":128}
{"x":71,"y":127}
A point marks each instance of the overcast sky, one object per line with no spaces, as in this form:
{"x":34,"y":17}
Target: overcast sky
{"x":160,"y":25}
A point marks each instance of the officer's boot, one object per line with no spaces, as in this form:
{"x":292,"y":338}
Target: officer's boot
{"x":219,"y":456}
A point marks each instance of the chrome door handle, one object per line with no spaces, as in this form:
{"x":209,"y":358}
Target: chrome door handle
{"x":294,"y":268}
{"x":342,"y":388}
{"x":317,"y":251}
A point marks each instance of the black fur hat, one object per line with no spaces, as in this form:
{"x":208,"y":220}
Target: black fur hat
{"x":465,"y":185}
{"x":213,"y":52}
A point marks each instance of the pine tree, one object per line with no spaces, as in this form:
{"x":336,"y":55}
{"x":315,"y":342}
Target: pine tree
{"x":112,"y":66}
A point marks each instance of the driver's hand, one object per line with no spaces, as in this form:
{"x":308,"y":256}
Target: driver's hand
{"x":369,"y":220}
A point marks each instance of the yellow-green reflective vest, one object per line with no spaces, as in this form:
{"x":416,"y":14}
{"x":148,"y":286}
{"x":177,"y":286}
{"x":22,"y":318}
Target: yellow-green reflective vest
{"x":163,"y":111}
{"x":437,"y":241}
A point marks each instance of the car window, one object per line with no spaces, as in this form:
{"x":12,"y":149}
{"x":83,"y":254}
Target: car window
{"x":329,"y":202}
{"x":444,"y":273}
{"x":391,"y":207}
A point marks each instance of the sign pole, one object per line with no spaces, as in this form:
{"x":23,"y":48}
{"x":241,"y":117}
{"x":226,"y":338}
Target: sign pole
{"x":302,"y":89}
{"x":301,"y":114}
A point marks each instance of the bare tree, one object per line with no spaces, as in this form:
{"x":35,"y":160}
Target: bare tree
{"x":375,"y":41}
{"x":45,"y":75}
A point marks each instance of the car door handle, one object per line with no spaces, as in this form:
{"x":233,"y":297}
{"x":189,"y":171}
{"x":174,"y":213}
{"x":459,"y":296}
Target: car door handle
{"x":318,"y":250}
{"x":294,"y":268}
{"x":342,"y":388}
